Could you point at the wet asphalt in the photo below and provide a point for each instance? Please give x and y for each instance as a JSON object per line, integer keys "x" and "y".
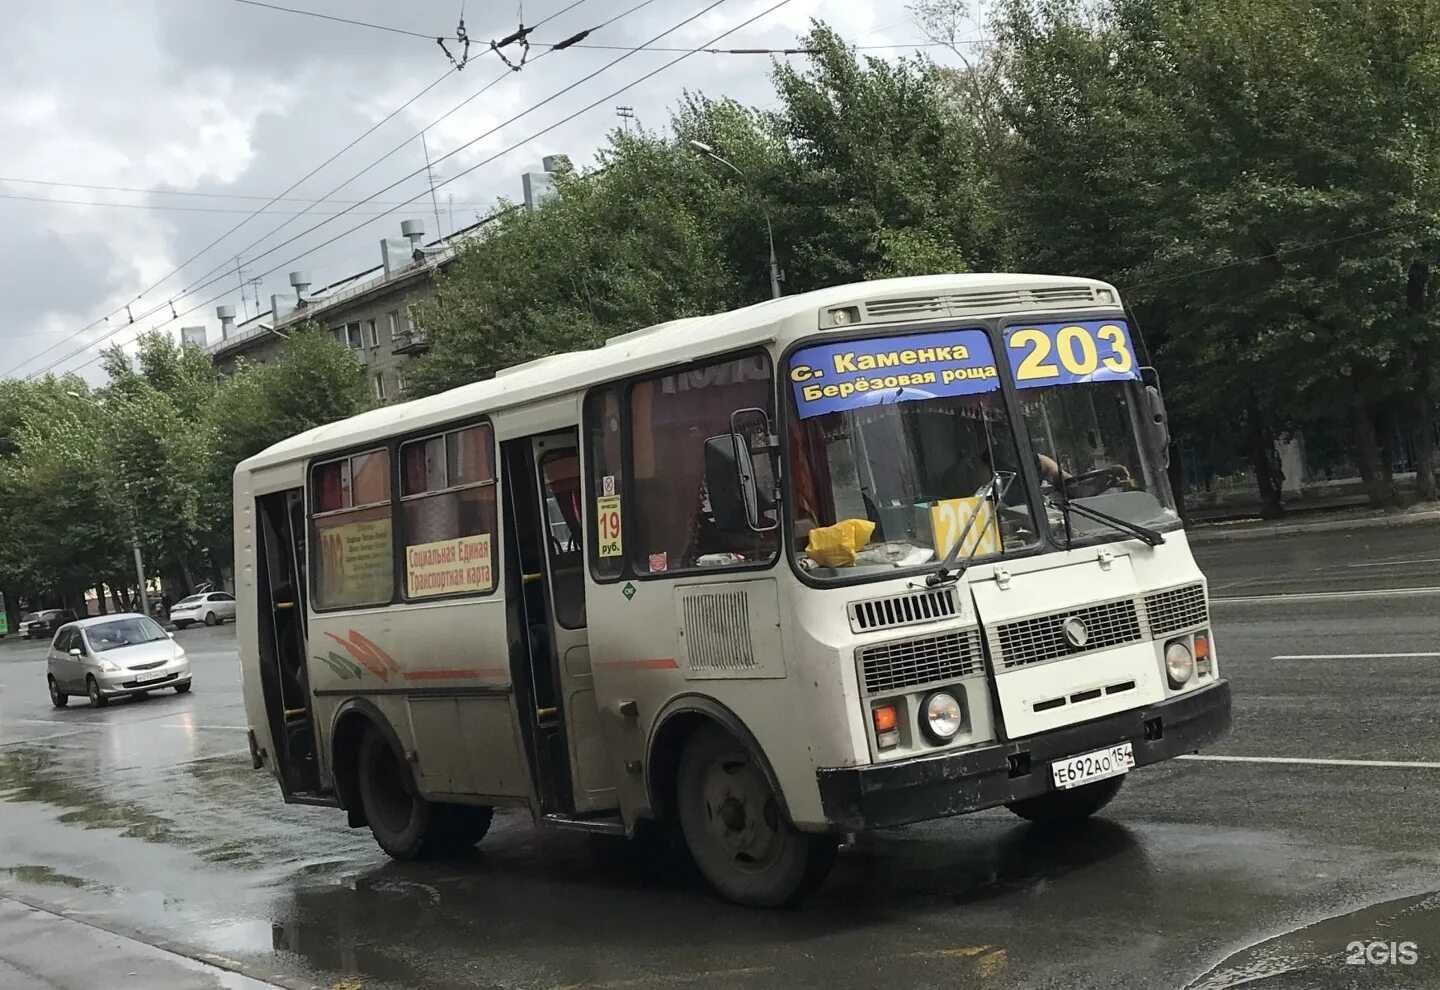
{"x": 1319, "y": 828}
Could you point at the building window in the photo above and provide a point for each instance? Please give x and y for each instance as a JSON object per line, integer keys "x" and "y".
{"x": 349, "y": 335}
{"x": 352, "y": 557}
{"x": 447, "y": 497}
{"x": 395, "y": 332}
{"x": 372, "y": 333}
{"x": 380, "y": 385}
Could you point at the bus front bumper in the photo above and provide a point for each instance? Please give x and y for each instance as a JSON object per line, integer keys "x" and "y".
{"x": 883, "y": 794}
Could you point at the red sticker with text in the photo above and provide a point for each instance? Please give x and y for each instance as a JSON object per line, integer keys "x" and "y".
{"x": 659, "y": 562}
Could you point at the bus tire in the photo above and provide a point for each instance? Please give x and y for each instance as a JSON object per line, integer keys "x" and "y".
{"x": 1064, "y": 809}
{"x": 404, "y": 823}
{"x": 461, "y": 826}
{"x": 736, "y": 831}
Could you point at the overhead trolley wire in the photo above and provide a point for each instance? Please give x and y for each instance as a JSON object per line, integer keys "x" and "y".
{"x": 628, "y": 86}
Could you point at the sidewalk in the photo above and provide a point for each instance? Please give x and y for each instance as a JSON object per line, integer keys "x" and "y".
{"x": 44, "y": 951}
{"x": 1314, "y": 522}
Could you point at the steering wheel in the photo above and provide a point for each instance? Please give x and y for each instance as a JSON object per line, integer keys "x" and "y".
{"x": 1100, "y": 480}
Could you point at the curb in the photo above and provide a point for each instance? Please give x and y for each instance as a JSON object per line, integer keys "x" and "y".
{"x": 188, "y": 951}
{"x": 1222, "y": 534}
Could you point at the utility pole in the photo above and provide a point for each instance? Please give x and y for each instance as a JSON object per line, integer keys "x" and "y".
{"x": 626, "y": 114}
{"x": 775, "y": 275}
{"x": 430, "y": 175}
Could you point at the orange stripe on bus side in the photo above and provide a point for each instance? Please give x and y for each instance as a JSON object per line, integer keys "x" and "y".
{"x": 638, "y": 665}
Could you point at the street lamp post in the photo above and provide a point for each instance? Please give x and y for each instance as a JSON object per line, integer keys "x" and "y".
{"x": 709, "y": 152}
{"x": 134, "y": 531}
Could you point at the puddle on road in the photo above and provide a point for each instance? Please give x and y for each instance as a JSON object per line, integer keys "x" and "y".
{"x": 1338, "y": 944}
{"x": 47, "y": 877}
{"x": 30, "y": 775}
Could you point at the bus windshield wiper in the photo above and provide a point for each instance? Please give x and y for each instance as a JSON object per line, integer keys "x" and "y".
{"x": 992, "y": 492}
{"x": 1149, "y": 536}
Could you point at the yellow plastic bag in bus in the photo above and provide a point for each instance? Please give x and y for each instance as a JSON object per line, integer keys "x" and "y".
{"x": 835, "y": 546}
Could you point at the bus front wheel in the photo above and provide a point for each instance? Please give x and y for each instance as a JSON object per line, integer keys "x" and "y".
{"x": 1061, "y": 809}
{"x": 406, "y": 825}
{"x": 736, "y": 831}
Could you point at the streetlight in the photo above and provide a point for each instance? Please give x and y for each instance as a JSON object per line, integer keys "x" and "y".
{"x": 134, "y": 532}
{"x": 709, "y": 152}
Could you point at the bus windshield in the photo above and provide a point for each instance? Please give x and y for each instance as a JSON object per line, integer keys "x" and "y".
{"x": 893, "y": 440}
{"x": 1090, "y": 450}
{"x": 1081, "y": 398}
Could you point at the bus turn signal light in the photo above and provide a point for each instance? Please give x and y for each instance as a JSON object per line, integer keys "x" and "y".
{"x": 1202, "y": 653}
{"x": 885, "y": 719}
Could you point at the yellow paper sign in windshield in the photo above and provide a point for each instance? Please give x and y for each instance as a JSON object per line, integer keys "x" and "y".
{"x": 949, "y": 519}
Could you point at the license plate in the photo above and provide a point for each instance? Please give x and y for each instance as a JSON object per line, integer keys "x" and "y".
{"x": 146, "y": 678}
{"x": 1109, "y": 762}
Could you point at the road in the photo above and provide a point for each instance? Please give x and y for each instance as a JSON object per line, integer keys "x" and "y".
{"x": 1312, "y": 826}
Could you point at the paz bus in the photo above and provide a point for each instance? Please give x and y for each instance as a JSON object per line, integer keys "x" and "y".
{"x": 865, "y": 556}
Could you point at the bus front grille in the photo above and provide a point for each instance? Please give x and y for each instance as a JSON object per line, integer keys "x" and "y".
{"x": 906, "y": 663}
{"x": 1042, "y": 638}
{"x": 903, "y": 610}
{"x": 1176, "y": 609}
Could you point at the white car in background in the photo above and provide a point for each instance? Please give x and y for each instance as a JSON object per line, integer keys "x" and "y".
{"x": 211, "y": 608}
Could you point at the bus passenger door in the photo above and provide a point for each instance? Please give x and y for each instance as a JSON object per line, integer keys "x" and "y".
{"x": 280, "y": 598}
{"x": 555, "y": 596}
{"x": 557, "y": 479}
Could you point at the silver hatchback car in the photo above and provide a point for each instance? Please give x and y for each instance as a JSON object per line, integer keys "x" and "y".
{"x": 108, "y": 656}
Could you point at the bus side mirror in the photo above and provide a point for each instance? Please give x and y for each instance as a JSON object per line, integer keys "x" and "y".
{"x": 1157, "y": 421}
{"x": 742, "y": 492}
{"x": 727, "y": 470}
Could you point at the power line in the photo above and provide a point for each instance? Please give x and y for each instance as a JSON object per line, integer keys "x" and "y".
{"x": 180, "y": 267}
{"x": 174, "y": 192}
{"x": 769, "y": 51}
{"x": 219, "y": 272}
{"x": 207, "y": 279}
{"x": 545, "y": 130}
{"x": 341, "y": 20}
{"x": 179, "y": 209}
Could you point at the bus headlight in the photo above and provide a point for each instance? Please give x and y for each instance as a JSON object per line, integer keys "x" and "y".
{"x": 1179, "y": 664}
{"x": 940, "y": 716}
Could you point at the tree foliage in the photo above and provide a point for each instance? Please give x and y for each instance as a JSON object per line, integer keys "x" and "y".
{"x": 147, "y": 458}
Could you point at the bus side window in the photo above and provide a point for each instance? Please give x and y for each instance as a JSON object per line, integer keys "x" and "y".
{"x": 671, "y": 417}
{"x": 447, "y": 498}
{"x": 606, "y": 487}
{"x": 354, "y": 561}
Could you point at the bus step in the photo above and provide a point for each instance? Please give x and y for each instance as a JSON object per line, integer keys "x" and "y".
{"x": 609, "y": 825}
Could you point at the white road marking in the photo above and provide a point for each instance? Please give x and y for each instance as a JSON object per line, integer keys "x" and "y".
{"x": 1353, "y": 656}
{"x": 1301, "y": 596}
{"x": 1398, "y": 562}
{"x": 1313, "y": 762}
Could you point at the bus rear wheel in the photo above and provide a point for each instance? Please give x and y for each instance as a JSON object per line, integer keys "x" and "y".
{"x": 405, "y": 825}
{"x": 736, "y": 831}
{"x": 1065, "y": 809}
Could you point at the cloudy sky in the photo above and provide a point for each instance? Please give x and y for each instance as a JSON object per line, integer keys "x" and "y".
{"x": 223, "y": 105}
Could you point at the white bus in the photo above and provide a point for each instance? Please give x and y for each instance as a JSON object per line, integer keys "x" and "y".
{"x": 865, "y": 556}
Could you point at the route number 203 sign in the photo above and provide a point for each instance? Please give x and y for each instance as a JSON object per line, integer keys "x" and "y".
{"x": 1071, "y": 353}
